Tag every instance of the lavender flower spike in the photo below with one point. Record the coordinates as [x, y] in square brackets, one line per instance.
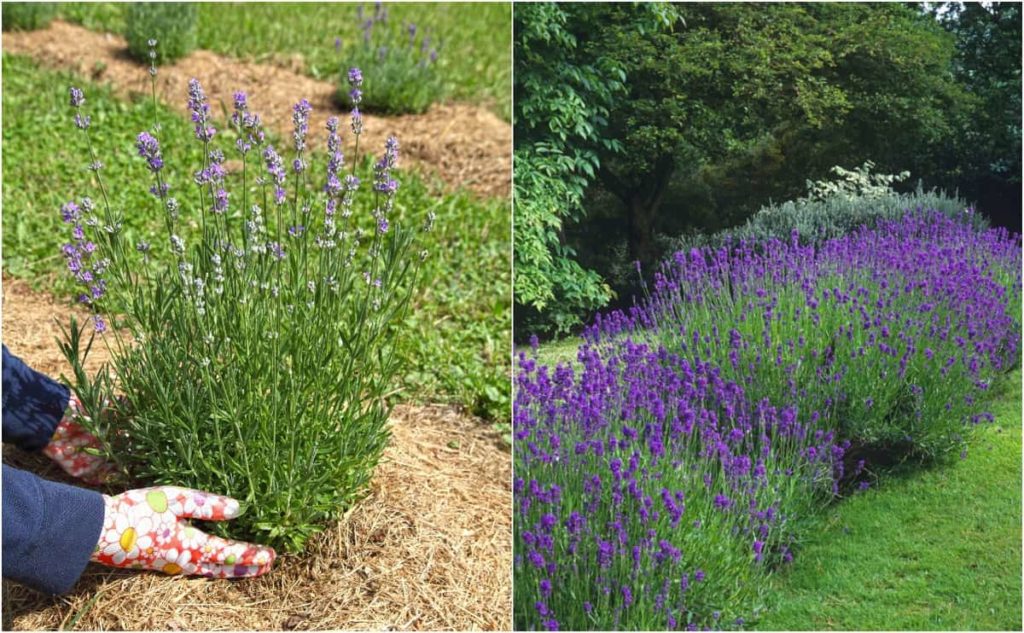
[300, 117]
[149, 148]
[200, 111]
[355, 77]
[77, 97]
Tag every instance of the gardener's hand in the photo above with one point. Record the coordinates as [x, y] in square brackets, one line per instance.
[68, 447]
[142, 529]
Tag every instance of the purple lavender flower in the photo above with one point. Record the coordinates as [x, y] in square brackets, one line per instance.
[355, 77]
[300, 119]
[77, 97]
[149, 148]
[275, 167]
[200, 110]
[357, 122]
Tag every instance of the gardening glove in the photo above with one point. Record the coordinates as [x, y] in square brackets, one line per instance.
[142, 529]
[68, 447]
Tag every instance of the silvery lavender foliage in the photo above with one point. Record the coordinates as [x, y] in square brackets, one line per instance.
[660, 477]
[275, 321]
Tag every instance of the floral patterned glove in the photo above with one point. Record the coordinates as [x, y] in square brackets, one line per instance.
[142, 529]
[68, 447]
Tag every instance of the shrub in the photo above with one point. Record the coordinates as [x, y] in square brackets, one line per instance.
[835, 208]
[172, 24]
[401, 63]
[28, 16]
[665, 475]
[264, 322]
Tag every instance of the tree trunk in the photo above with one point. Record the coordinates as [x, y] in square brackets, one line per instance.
[642, 201]
[641, 229]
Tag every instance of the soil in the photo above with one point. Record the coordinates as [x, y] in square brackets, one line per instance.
[465, 145]
[429, 548]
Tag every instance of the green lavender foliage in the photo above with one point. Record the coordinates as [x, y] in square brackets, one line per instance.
[463, 315]
[27, 16]
[172, 24]
[254, 360]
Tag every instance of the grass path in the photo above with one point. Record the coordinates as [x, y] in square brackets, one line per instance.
[932, 549]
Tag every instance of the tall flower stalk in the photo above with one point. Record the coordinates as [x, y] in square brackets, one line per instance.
[261, 348]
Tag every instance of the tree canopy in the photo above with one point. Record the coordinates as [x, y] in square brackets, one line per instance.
[665, 119]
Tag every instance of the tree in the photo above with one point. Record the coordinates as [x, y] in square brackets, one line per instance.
[988, 65]
[847, 82]
[562, 100]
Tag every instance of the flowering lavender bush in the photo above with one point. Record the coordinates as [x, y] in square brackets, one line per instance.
[401, 63]
[256, 351]
[177, 24]
[663, 477]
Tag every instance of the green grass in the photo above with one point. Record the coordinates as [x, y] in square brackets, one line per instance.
[459, 331]
[932, 549]
[555, 351]
[476, 53]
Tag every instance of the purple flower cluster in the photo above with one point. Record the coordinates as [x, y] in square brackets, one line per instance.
[659, 476]
[80, 254]
[247, 124]
[200, 110]
[275, 167]
[77, 99]
[383, 182]
[149, 148]
[300, 119]
[355, 80]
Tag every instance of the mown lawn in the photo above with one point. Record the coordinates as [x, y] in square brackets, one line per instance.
[476, 52]
[936, 549]
[457, 347]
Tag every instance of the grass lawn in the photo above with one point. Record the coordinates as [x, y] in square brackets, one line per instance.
[458, 343]
[554, 352]
[932, 549]
[476, 53]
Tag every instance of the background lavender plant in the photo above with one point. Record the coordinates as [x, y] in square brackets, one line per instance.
[257, 349]
[174, 23]
[401, 60]
[28, 16]
[665, 474]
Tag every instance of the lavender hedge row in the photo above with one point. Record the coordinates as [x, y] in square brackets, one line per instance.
[661, 478]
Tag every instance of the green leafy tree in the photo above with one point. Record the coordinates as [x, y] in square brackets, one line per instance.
[806, 86]
[560, 109]
[987, 159]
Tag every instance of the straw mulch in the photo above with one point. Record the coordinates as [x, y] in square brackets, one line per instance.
[466, 145]
[429, 548]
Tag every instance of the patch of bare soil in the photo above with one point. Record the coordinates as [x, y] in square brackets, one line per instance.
[466, 145]
[429, 548]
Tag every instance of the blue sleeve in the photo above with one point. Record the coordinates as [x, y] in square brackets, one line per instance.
[49, 530]
[33, 404]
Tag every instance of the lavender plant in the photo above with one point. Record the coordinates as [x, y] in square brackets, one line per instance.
[682, 459]
[402, 65]
[177, 24]
[255, 354]
[27, 16]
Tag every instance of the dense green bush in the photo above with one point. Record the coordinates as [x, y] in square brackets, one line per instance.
[27, 16]
[171, 24]
[401, 63]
